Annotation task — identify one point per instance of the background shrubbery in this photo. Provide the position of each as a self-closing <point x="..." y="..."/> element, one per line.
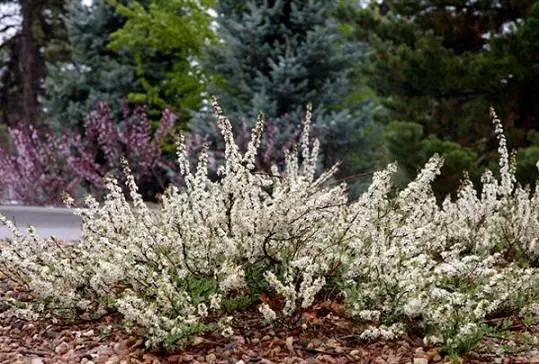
<point x="38" y="168"/>
<point x="390" y="80"/>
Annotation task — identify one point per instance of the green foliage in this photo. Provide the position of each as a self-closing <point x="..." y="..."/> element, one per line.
<point x="458" y="160"/>
<point x="408" y="146"/>
<point x="93" y="73"/>
<point x="165" y="38"/>
<point x="240" y="302"/>
<point x="527" y="160"/>
<point x="403" y="139"/>
<point x="465" y="343"/>
<point x="199" y="287"/>
<point x="442" y="65"/>
<point x="185" y="335"/>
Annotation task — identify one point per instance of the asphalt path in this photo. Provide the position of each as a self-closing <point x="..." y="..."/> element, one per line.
<point x="59" y="222"/>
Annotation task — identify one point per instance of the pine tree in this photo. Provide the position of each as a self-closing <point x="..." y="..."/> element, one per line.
<point x="440" y="65"/>
<point x="93" y="73"/>
<point x="275" y="57"/>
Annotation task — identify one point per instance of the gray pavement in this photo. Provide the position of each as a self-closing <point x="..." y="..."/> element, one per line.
<point x="60" y="222"/>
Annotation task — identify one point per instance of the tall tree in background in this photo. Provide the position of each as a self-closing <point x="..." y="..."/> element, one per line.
<point x="37" y="38"/>
<point x="276" y="56"/>
<point x="165" y="38"/>
<point x="9" y="62"/>
<point x="32" y="70"/>
<point x="93" y="72"/>
<point x="439" y="65"/>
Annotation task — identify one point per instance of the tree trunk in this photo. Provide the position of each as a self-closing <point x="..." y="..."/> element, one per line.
<point x="29" y="54"/>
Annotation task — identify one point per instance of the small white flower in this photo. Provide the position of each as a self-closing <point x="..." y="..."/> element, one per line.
<point x="202" y="310"/>
<point x="227" y="331"/>
<point x="267" y="312"/>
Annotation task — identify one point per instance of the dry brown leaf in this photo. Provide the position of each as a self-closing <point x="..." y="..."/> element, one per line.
<point x="290" y="344"/>
<point x="150" y="359"/>
<point x="197" y="340"/>
<point x="310" y="317"/>
<point x="334" y="307"/>
<point x="276" y="303"/>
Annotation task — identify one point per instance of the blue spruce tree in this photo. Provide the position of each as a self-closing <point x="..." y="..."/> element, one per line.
<point x="93" y="72"/>
<point x="275" y="56"/>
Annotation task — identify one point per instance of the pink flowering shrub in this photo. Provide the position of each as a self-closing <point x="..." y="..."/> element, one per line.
<point x="39" y="166"/>
<point x="105" y="142"/>
<point x="37" y="171"/>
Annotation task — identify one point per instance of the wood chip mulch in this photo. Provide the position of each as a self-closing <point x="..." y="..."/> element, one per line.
<point x="318" y="336"/>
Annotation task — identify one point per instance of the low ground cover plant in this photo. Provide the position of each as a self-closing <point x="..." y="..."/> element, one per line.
<point x="402" y="261"/>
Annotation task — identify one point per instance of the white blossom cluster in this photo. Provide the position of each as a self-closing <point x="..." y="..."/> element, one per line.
<point x="399" y="259"/>
<point x="447" y="267"/>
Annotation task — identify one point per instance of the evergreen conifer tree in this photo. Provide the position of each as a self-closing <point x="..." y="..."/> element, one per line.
<point x="94" y="72"/>
<point x="276" y="56"/>
<point x="438" y="66"/>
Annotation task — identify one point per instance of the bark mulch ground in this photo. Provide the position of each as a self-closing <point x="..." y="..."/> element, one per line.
<point x="322" y="335"/>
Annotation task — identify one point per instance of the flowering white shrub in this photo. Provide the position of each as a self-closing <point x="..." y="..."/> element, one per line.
<point x="168" y="270"/>
<point x="401" y="259"/>
<point x="446" y="267"/>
